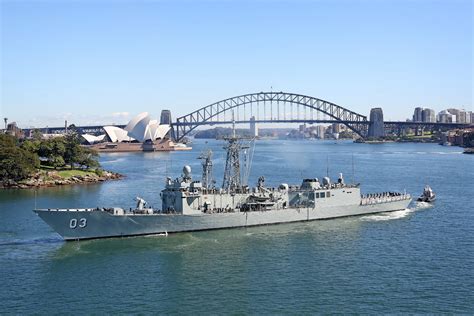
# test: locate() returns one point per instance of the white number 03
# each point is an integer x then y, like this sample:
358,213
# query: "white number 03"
81,223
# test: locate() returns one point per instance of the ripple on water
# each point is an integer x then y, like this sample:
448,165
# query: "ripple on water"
386,216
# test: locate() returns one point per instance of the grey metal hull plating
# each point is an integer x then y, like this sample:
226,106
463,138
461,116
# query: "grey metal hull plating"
101,224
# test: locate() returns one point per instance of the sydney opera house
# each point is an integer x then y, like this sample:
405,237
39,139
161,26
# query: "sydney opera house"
141,134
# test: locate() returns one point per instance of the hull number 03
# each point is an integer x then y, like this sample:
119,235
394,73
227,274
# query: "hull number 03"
74,223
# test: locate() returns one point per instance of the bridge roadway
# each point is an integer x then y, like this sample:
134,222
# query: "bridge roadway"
98,129
277,107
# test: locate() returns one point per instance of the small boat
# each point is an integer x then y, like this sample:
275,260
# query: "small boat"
427,196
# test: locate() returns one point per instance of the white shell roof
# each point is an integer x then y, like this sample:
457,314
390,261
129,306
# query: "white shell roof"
161,131
117,134
91,139
138,127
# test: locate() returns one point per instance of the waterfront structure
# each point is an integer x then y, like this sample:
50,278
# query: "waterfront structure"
253,127
143,129
13,130
140,134
283,108
463,117
446,117
321,131
337,128
418,115
455,113
191,205
117,134
165,117
428,115
92,139
376,127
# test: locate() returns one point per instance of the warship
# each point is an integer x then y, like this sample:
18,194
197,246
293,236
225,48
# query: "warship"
195,205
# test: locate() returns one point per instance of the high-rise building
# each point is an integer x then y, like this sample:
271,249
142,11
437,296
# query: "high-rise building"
455,114
462,117
320,131
445,117
418,115
428,116
376,127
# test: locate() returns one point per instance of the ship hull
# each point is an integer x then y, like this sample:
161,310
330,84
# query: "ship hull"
78,225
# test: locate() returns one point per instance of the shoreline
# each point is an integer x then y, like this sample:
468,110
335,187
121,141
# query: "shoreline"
45,179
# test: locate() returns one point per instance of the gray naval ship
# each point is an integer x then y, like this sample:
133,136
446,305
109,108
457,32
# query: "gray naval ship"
194,205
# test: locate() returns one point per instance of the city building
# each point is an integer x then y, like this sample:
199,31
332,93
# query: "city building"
13,129
337,128
320,131
454,112
462,117
418,115
446,117
428,115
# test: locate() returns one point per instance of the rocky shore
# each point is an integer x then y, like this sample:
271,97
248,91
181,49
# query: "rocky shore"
53,178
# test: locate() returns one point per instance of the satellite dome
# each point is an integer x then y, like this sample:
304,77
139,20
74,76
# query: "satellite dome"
187,171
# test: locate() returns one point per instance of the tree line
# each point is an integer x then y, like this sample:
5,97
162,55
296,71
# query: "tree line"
20,159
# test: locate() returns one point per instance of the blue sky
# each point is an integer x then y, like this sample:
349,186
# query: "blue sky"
103,61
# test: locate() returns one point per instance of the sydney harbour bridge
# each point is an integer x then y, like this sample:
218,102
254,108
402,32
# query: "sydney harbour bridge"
281,107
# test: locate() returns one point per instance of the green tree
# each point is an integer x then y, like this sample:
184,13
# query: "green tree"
37,135
45,149
56,161
31,146
88,158
58,146
72,148
16,163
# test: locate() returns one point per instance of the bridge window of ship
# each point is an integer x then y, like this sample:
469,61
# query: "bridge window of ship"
322,195
328,194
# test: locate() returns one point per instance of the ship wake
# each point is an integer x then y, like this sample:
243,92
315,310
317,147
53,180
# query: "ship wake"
418,206
388,215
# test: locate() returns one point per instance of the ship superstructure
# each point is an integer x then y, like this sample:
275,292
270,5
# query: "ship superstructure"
191,205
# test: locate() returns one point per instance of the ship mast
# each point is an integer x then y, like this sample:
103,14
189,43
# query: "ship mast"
206,180
232,178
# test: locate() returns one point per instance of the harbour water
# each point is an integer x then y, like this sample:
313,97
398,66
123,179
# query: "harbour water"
418,260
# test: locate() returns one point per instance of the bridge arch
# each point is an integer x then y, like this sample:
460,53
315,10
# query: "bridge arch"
207,115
